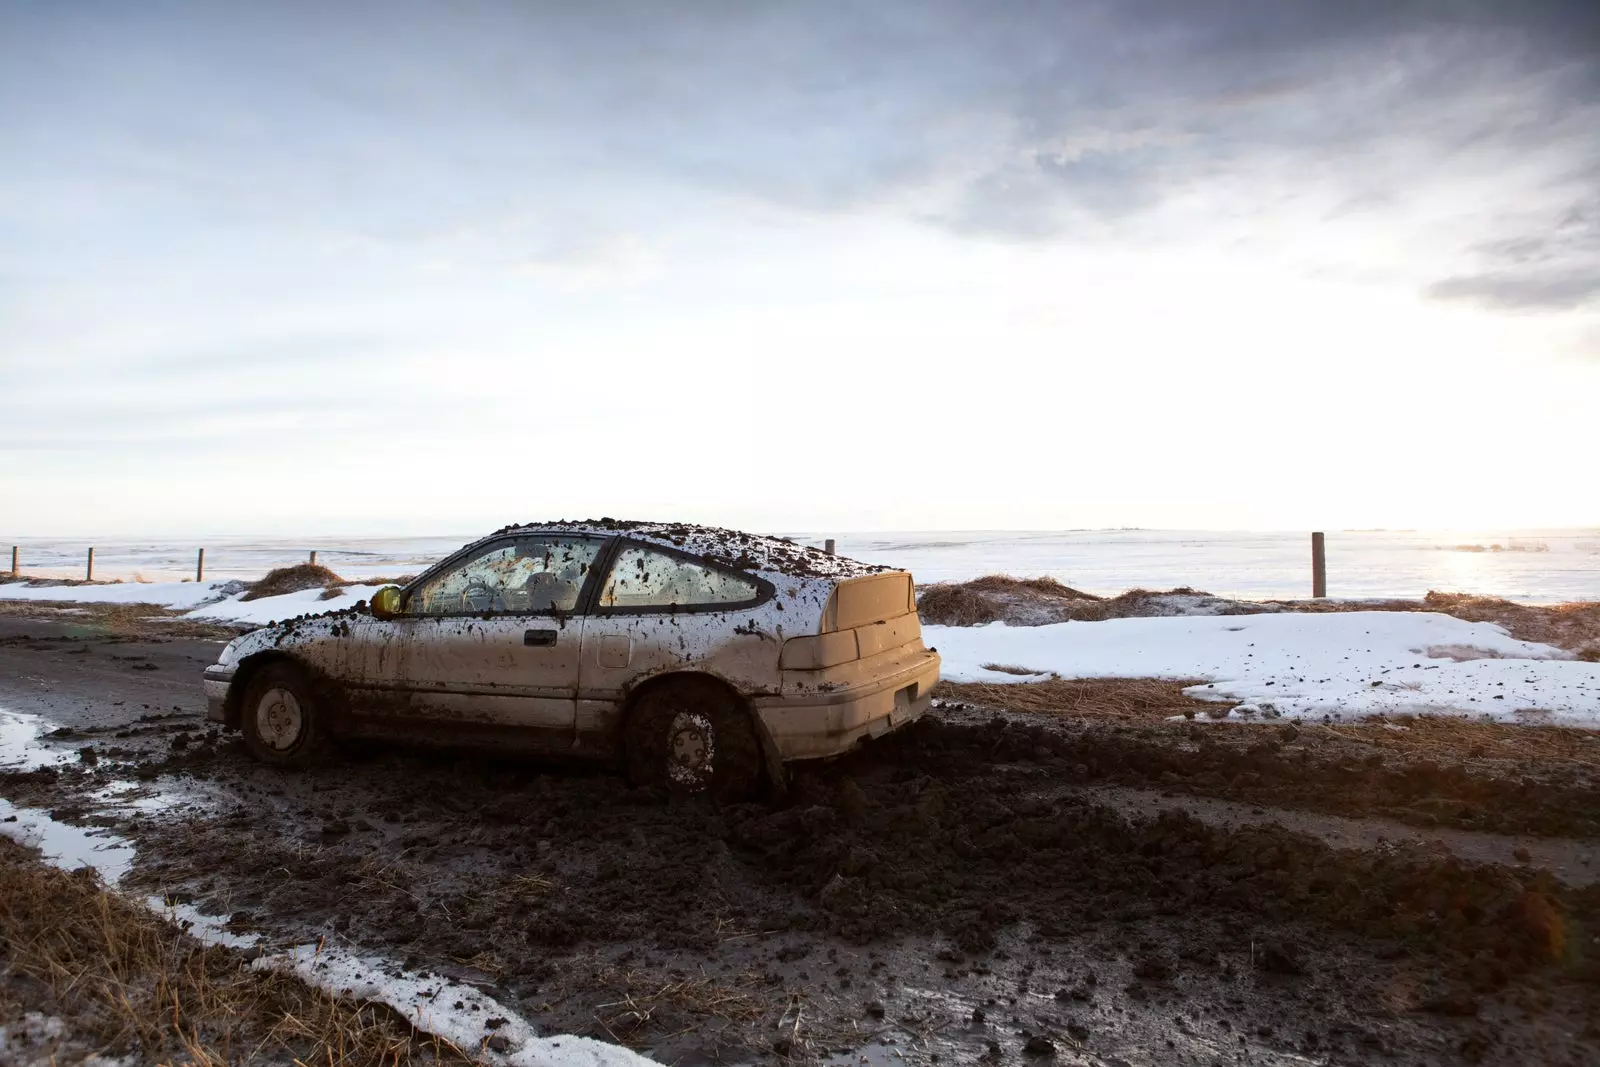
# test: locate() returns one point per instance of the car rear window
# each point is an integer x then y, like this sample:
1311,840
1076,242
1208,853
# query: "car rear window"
643,578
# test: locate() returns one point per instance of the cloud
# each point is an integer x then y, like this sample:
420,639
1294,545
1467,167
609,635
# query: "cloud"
1548,291
1544,263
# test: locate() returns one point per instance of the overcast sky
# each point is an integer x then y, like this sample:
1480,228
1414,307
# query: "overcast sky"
325,267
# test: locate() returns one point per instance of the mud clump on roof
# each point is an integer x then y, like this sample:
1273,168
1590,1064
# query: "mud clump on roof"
733,548
292,580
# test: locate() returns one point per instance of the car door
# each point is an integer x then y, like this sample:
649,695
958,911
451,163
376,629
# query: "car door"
491,640
659,610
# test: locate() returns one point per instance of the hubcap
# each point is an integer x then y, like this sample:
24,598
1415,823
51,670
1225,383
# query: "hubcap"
690,749
279,719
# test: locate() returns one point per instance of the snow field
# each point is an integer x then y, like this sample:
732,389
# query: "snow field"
1340,666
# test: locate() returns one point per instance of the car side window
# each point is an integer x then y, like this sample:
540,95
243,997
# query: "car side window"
526,576
644,578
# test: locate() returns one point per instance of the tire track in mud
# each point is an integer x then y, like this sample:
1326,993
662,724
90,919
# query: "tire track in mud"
956,829
962,832
1298,766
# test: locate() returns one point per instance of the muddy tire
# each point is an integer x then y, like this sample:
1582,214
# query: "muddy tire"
693,738
280,718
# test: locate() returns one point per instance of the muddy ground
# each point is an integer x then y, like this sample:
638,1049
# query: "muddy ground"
1082,878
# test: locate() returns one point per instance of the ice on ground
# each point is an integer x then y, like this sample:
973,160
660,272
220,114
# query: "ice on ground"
175,595
1342,665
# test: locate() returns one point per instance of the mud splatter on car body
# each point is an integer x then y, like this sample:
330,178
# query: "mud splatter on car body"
541,636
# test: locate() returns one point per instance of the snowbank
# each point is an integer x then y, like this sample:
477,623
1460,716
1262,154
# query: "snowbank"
1341,665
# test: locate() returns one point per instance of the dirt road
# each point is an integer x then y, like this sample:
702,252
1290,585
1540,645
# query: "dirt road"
987,886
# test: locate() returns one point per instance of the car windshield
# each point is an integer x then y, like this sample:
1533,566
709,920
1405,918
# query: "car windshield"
531,575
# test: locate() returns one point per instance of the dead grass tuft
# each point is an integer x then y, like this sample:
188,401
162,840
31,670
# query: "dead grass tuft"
129,982
1044,585
1040,601
292,580
996,597
1112,699
1009,668
338,588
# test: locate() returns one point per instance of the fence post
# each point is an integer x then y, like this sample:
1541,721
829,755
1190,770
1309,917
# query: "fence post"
313,557
14,569
200,566
827,546
1319,568
88,575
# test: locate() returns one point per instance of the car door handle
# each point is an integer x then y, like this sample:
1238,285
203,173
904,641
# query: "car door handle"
539,638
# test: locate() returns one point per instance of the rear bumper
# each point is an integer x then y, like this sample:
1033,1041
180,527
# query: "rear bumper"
814,726
215,682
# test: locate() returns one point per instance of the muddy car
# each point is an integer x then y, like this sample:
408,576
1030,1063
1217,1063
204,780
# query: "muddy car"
697,658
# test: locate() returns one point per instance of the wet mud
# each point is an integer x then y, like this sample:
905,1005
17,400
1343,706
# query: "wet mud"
963,891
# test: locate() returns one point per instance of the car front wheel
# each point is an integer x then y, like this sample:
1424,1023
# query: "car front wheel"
693,738
282,723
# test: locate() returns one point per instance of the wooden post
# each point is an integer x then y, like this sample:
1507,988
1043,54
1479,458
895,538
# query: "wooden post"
14,569
1319,568
88,575
200,566
313,557
827,546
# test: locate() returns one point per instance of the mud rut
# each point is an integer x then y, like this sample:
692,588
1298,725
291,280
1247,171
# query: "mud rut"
954,891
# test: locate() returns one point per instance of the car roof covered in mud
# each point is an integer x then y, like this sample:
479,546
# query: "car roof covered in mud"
733,548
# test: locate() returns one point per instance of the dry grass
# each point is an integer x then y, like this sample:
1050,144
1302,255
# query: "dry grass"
336,590
1039,601
1009,668
1044,586
291,580
1450,739
1110,699
998,596
1574,627
118,620
645,1005
127,981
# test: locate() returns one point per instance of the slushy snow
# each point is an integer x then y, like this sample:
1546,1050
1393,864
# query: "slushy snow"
1339,665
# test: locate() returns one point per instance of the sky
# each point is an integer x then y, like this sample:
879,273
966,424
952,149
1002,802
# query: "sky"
410,267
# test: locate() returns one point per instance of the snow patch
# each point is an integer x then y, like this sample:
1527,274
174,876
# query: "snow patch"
1339,665
174,595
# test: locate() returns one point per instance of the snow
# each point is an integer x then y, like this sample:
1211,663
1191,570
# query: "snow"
211,601
286,606
1340,665
457,1012
175,595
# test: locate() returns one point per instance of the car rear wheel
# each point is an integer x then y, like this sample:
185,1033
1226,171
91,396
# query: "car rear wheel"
280,718
693,738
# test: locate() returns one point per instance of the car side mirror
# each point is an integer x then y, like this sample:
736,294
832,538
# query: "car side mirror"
385,602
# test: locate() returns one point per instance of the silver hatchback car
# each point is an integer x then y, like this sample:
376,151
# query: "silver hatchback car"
699,658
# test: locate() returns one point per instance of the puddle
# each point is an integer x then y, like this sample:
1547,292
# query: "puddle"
68,847
21,748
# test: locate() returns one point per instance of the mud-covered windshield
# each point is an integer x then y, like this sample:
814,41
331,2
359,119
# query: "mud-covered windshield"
531,575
